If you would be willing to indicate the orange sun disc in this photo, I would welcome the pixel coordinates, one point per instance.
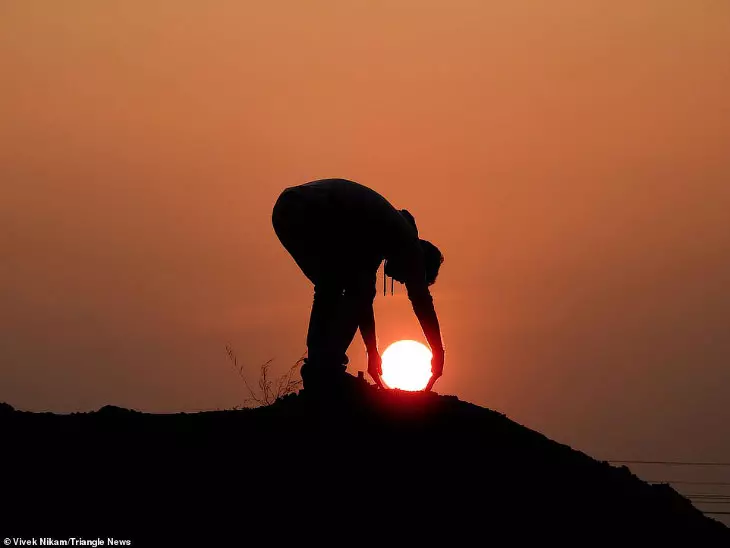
(406, 366)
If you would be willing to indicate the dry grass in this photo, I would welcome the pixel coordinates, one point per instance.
(268, 390)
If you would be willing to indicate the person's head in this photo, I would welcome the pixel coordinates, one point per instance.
(409, 217)
(433, 259)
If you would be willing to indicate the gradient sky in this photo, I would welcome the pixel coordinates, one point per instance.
(570, 158)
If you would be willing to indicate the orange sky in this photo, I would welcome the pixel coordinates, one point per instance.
(569, 158)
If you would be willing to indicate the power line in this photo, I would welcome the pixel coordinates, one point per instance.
(682, 482)
(669, 462)
(725, 502)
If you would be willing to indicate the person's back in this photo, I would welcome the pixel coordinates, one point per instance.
(366, 228)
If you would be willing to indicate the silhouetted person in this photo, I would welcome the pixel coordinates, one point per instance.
(339, 232)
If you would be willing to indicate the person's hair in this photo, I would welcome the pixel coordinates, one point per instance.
(433, 259)
(409, 217)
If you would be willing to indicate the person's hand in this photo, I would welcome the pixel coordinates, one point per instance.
(375, 367)
(437, 368)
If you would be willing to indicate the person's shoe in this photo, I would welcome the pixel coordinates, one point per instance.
(330, 381)
(316, 376)
(308, 372)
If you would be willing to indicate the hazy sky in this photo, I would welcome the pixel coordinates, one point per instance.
(570, 158)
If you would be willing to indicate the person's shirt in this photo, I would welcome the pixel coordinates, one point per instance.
(372, 229)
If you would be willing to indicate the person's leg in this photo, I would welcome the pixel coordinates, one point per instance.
(333, 324)
(303, 230)
(344, 329)
(339, 302)
(323, 358)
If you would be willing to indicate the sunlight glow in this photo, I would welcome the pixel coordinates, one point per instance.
(407, 365)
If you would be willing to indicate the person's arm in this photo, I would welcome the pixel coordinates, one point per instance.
(366, 323)
(367, 328)
(422, 302)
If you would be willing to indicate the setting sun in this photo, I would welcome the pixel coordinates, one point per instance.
(407, 365)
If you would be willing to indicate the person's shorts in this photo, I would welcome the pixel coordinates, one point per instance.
(309, 227)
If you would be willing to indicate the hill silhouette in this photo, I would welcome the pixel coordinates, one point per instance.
(377, 465)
